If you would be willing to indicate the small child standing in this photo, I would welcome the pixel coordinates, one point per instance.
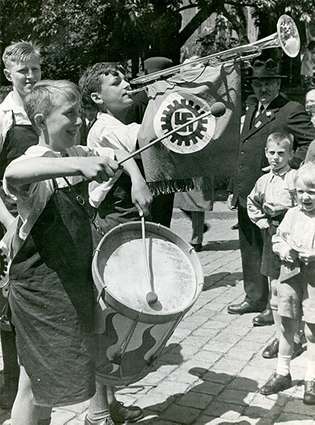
(294, 243)
(267, 204)
(53, 304)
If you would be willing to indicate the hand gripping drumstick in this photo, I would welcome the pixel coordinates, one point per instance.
(151, 296)
(217, 110)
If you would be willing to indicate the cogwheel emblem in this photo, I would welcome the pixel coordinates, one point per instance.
(3, 264)
(177, 114)
(177, 109)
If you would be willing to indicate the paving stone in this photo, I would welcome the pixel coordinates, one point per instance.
(218, 346)
(196, 400)
(220, 377)
(220, 409)
(294, 420)
(180, 414)
(298, 407)
(172, 387)
(241, 398)
(230, 366)
(156, 401)
(207, 387)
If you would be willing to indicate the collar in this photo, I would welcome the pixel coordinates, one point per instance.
(13, 102)
(282, 172)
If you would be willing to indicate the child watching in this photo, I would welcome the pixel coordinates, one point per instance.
(267, 204)
(294, 243)
(22, 68)
(53, 308)
(104, 85)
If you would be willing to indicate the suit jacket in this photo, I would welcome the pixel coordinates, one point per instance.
(281, 115)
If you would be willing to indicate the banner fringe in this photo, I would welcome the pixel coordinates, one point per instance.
(167, 187)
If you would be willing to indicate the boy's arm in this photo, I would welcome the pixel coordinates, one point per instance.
(26, 171)
(140, 193)
(280, 241)
(6, 218)
(255, 208)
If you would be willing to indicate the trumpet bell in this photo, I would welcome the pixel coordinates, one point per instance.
(288, 36)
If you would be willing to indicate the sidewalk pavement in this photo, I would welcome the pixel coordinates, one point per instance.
(211, 368)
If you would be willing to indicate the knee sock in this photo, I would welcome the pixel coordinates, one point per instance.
(283, 365)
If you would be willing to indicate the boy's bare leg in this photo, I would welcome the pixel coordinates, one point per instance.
(281, 379)
(310, 356)
(24, 411)
(98, 406)
(104, 403)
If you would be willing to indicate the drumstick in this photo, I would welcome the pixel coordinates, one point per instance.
(217, 109)
(151, 296)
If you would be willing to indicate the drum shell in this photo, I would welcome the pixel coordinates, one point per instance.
(129, 340)
(128, 349)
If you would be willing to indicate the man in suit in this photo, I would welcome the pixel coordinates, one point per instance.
(271, 112)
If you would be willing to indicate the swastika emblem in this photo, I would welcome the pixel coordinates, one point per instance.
(175, 110)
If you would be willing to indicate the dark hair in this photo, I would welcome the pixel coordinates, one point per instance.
(91, 80)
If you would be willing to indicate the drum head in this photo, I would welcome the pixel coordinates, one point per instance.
(174, 268)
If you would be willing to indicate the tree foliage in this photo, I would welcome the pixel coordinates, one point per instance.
(76, 33)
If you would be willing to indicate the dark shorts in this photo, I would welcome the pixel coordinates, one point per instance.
(52, 345)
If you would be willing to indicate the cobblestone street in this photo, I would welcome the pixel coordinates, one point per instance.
(212, 366)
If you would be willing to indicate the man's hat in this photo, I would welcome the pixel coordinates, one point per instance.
(267, 69)
(156, 63)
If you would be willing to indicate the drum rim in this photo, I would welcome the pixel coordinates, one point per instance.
(172, 237)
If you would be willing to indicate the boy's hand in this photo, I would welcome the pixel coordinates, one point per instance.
(273, 210)
(288, 255)
(307, 256)
(141, 196)
(98, 168)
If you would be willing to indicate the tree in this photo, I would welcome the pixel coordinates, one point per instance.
(76, 33)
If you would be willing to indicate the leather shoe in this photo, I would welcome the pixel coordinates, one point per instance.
(264, 319)
(121, 414)
(272, 349)
(276, 383)
(309, 392)
(243, 308)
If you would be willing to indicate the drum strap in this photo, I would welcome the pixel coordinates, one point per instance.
(83, 202)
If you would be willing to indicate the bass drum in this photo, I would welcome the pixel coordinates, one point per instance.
(131, 332)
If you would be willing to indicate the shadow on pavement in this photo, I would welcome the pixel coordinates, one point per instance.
(223, 245)
(216, 280)
(209, 399)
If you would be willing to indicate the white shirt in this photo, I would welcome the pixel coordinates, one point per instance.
(32, 198)
(275, 188)
(11, 104)
(109, 132)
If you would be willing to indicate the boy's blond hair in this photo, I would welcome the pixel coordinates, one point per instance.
(21, 51)
(281, 138)
(45, 95)
(306, 174)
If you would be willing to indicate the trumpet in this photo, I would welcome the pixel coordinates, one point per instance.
(287, 37)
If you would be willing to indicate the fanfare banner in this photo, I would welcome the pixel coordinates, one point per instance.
(205, 148)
